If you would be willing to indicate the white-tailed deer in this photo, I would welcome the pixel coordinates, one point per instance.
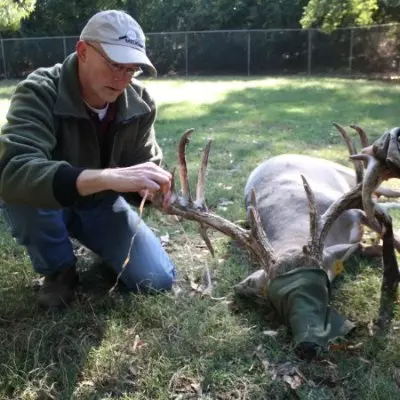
(305, 216)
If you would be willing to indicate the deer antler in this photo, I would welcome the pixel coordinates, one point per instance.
(255, 239)
(363, 136)
(352, 149)
(371, 178)
(183, 175)
(314, 220)
(320, 224)
(351, 199)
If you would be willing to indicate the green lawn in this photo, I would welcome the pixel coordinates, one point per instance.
(184, 346)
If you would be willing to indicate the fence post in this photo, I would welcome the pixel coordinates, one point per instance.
(351, 51)
(309, 51)
(65, 47)
(3, 55)
(186, 55)
(248, 52)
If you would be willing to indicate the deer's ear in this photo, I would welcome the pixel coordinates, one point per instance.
(335, 256)
(254, 285)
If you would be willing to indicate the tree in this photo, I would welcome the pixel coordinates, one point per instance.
(330, 14)
(13, 11)
(61, 17)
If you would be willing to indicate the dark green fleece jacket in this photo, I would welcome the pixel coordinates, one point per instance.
(49, 137)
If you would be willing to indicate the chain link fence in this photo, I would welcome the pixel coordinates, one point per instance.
(372, 50)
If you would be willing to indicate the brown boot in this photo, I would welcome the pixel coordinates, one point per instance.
(58, 290)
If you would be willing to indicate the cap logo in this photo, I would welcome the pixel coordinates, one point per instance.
(131, 38)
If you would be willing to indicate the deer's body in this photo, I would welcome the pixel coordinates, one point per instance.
(282, 201)
(304, 214)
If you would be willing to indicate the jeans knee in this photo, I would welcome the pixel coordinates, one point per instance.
(147, 281)
(29, 225)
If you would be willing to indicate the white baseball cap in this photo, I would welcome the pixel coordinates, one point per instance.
(120, 36)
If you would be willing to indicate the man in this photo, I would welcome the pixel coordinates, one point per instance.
(78, 144)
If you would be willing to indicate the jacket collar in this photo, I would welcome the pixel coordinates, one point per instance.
(69, 102)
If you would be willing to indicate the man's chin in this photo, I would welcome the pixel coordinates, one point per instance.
(110, 95)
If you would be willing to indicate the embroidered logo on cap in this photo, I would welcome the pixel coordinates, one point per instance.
(132, 39)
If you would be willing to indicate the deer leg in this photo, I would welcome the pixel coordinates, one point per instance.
(391, 276)
(384, 191)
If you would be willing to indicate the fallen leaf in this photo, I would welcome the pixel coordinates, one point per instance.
(138, 343)
(270, 333)
(355, 346)
(87, 383)
(164, 239)
(285, 371)
(185, 385)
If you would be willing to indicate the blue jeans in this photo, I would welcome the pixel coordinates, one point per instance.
(106, 227)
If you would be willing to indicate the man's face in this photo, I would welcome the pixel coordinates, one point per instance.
(102, 79)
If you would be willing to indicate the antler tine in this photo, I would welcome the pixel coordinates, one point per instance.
(351, 199)
(207, 241)
(363, 136)
(373, 177)
(200, 194)
(314, 220)
(255, 240)
(200, 201)
(183, 172)
(257, 231)
(173, 186)
(352, 150)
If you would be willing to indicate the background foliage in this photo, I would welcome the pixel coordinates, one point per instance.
(58, 17)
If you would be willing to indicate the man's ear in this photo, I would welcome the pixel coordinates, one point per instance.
(81, 50)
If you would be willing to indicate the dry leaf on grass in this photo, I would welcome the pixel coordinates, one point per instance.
(344, 346)
(271, 333)
(164, 239)
(206, 288)
(138, 343)
(285, 371)
(184, 387)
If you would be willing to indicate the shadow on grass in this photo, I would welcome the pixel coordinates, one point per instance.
(43, 354)
(48, 354)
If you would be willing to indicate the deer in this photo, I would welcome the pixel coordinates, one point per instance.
(305, 218)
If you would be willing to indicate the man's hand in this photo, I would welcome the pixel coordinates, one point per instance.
(163, 197)
(146, 176)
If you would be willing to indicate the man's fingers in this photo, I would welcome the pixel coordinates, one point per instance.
(151, 185)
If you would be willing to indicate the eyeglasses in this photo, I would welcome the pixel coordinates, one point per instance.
(118, 69)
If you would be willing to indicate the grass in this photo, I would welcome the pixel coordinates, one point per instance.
(172, 347)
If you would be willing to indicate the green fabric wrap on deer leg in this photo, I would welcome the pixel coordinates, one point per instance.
(301, 298)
